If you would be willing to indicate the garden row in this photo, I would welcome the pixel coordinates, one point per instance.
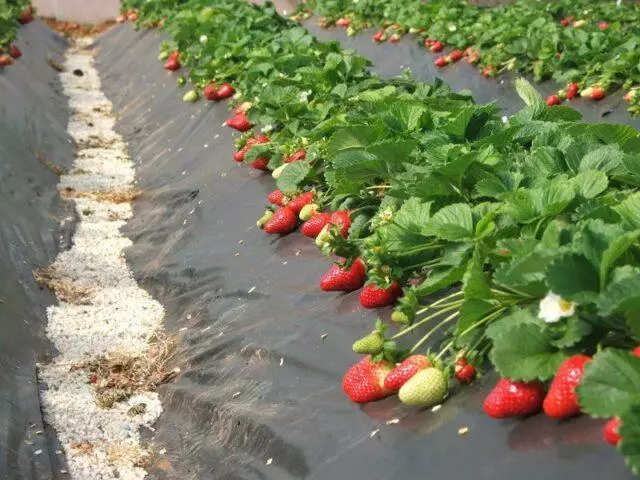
(589, 46)
(12, 14)
(514, 242)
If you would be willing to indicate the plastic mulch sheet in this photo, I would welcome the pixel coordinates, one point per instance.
(33, 145)
(261, 349)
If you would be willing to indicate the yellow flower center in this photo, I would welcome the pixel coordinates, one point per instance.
(565, 305)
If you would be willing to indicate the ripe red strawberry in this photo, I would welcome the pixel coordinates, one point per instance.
(394, 38)
(562, 401)
(566, 21)
(239, 155)
(276, 197)
(553, 100)
(312, 227)
(611, 431)
(300, 201)
(603, 25)
(489, 71)
(512, 399)
(340, 279)
(455, 55)
(598, 93)
(132, 16)
(465, 373)
(373, 296)
(572, 90)
(343, 22)
(5, 60)
(404, 371)
(428, 42)
(342, 219)
(172, 64)
(121, 18)
(14, 52)
(379, 36)
(364, 382)
(295, 156)
(594, 93)
(440, 61)
(26, 16)
(636, 352)
(284, 221)
(93, 378)
(437, 46)
(240, 122)
(210, 92)
(260, 163)
(225, 91)
(175, 55)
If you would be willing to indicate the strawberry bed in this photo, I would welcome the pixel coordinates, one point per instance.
(12, 14)
(588, 46)
(511, 243)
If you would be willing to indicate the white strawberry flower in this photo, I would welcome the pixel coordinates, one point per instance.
(452, 28)
(267, 128)
(304, 96)
(553, 308)
(203, 39)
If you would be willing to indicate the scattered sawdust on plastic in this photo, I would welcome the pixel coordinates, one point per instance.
(99, 390)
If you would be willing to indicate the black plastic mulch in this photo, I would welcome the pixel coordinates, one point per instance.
(33, 143)
(259, 394)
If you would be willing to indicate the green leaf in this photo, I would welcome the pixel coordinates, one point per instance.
(474, 282)
(590, 183)
(525, 272)
(453, 223)
(514, 320)
(472, 312)
(630, 432)
(610, 384)
(612, 133)
(413, 214)
(614, 251)
(573, 277)
(622, 293)
(528, 93)
(353, 137)
(438, 279)
(292, 176)
(526, 353)
(629, 210)
(570, 332)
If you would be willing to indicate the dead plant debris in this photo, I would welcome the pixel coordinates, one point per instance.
(72, 29)
(120, 375)
(111, 196)
(64, 289)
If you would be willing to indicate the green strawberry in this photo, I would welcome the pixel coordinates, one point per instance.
(371, 344)
(426, 388)
(400, 317)
(191, 96)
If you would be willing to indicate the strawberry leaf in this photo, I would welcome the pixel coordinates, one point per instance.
(526, 352)
(293, 176)
(610, 384)
(630, 433)
(622, 294)
(573, 278)
(453, 223)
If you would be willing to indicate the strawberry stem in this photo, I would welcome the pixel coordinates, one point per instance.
(433, 330)
(425, 320)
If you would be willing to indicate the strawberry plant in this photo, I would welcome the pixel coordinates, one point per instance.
(511, 242)
(12, 14)
(593, 43)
